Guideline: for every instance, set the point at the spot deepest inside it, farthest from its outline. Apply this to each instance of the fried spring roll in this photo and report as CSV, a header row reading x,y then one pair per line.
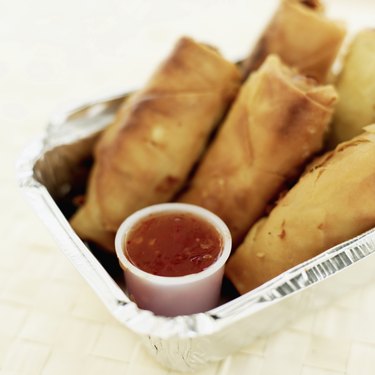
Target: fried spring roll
x,y
276,123
332,202
159,133
356,88
303,38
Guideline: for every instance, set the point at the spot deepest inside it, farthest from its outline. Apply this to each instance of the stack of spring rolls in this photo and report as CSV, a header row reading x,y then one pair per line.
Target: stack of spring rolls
x,y
240,140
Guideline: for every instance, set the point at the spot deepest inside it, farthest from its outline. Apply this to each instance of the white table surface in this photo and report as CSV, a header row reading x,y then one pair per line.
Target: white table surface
x,y
54,53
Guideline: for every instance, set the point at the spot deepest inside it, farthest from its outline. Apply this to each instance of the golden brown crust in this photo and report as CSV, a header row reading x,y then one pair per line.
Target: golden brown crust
x,y
302,36
86,221
356,87
276,123
158,135
332,202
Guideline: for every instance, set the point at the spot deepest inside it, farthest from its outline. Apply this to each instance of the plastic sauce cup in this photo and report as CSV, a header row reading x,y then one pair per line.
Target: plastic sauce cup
x,y
174,295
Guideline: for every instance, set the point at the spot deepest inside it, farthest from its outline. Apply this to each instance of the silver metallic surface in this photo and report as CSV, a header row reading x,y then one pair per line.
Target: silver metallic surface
x,y
46,173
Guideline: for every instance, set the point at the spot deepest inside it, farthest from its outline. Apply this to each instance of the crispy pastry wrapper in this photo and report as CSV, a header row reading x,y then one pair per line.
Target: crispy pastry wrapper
x,y
302,36
276,123
332,202
158,135
356,88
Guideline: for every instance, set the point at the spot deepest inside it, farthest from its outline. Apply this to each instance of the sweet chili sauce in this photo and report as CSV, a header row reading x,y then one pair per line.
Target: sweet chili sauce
x,y
173,244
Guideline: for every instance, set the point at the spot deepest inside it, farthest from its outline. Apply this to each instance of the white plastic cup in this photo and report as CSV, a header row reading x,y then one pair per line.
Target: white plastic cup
x,y
174,295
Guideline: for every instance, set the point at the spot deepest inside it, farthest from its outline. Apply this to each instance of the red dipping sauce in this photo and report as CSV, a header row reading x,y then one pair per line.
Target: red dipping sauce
x,y
173,244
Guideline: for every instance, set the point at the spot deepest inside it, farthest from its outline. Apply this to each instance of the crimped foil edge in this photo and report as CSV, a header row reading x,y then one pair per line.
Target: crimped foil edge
x,y
158,330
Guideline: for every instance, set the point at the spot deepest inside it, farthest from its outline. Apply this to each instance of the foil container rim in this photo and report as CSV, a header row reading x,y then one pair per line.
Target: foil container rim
x,y
312,271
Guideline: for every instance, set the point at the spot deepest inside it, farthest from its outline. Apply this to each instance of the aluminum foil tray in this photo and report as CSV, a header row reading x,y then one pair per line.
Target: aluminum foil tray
x,y
54,168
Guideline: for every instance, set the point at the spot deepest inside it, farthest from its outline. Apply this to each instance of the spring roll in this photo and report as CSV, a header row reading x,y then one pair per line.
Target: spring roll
x,y
333,202
276,123
302,36
159,134
356,88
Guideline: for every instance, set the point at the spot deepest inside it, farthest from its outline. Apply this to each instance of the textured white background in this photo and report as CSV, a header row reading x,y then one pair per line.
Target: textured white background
x,y
53,53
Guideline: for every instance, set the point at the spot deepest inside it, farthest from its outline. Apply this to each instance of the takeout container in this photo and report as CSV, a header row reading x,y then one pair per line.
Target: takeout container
x,y
172,296
55,166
